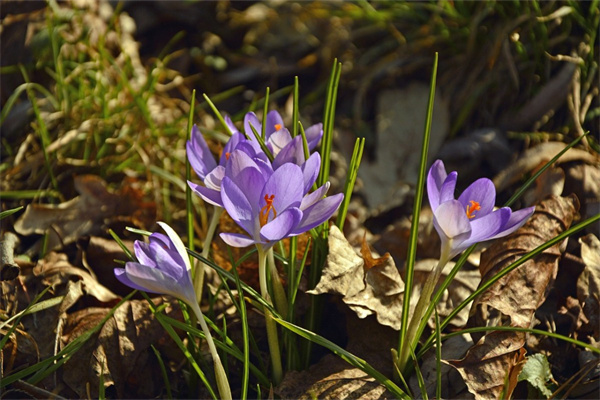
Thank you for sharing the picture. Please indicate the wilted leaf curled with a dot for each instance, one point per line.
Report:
(537, 372)
(513, 299)
(588, 284)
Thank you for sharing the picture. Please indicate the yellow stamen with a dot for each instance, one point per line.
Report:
(277, 127)
(263, 217)
(471, 208)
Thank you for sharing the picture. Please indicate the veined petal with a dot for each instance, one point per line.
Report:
(232, 144)
(237, 239)
(155, 281)
(287, 185)
(517, 219)
(143, 253)
(176, 240)
(274, 123)
(285, 149)
(314, 133)
(450, 221)
(310, 171)
(435, 178)
(311, 198)
(232, 128)
(201, 159)
(237, 205)
(168, 261)
(213, 178)
(209, 195)
(486, 227)
(318, 213)
(281, 226)
(121, 275)
(251, 119)
(481, 191)
(238, 161)
(448, 187)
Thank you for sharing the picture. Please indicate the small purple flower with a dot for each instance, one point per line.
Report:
(470, 219)
(203, 162)
(163, 267)
(272, 205)
(277, 137)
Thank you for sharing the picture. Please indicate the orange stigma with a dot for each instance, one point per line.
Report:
(277, 127)
(263, 217)
(227, 154)
(471, 208)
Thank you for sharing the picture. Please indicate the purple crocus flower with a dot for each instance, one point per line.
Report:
(277, 137)
(203, 162)
(470, 219)
(163, 267)
(271, 205)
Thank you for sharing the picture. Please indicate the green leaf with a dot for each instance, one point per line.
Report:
(537, 372)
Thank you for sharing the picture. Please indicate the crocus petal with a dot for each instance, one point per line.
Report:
(281, 226)
(310, 171)
(155, 281)
(232, 144)
(451, 222)
(251, 119)
(285, 149)
(435, 178)
(274, 123)
(318, 213)
(209, 195)
(232, 128)
(486, 227)
(237, 239)
(517, 219)
(168, 261)
(238, 161)
(483, 192)
(143, 253)
(213, 178)
(121, 275)
(313, 135)
(448, 187)
(199, 155)
(287, 185)
(237, 205)
(178, 244)
(315, 196)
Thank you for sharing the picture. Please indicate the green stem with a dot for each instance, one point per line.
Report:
(199, 270)
(410, 341)
(220, 375)
(281, 303)
(270, 323)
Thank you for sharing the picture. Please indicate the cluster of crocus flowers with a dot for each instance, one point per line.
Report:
(266, 189)
(460, 223)
(163, 267)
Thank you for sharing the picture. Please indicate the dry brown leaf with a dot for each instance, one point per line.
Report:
(513, 299)
(584, 181)
(488, 363)
(118, 352)
(331, 378)
(588, 284)
(83, 215)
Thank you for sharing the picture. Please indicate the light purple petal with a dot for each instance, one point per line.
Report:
(318, 213)
(282, 225)
(232, 128)
(232, 144)
(517, 219)
(293, 153)
(274, 123)
(311, 198)
(287, 185)
(121, 275)
(451, 222)
(448, 187)
(177, 244)
(201, 159)
(143, 253)
(251, 119)
(251, 181)
(237, 239)
(279, 141)
(213, 178)
(168, 261)
(435, 178)
(238, 161)
(155, 281)
(209, 195)
(310, 171)
(313, 135)
(237, 205)
(486, 227)
(483, 192)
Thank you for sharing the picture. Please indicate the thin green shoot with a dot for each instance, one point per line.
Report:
(6, 213)
(261, 142)
(17, 317)
(122, 245)
(296, 105)
(163, 371)
(263, 130)
(217, 114)
(34, 307)
(351, 176)
(438, 356)
(419, 375)
(413, 239)
(328, 122)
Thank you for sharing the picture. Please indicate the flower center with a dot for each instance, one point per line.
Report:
(277, 127)
(263, 217)
(471, 208)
